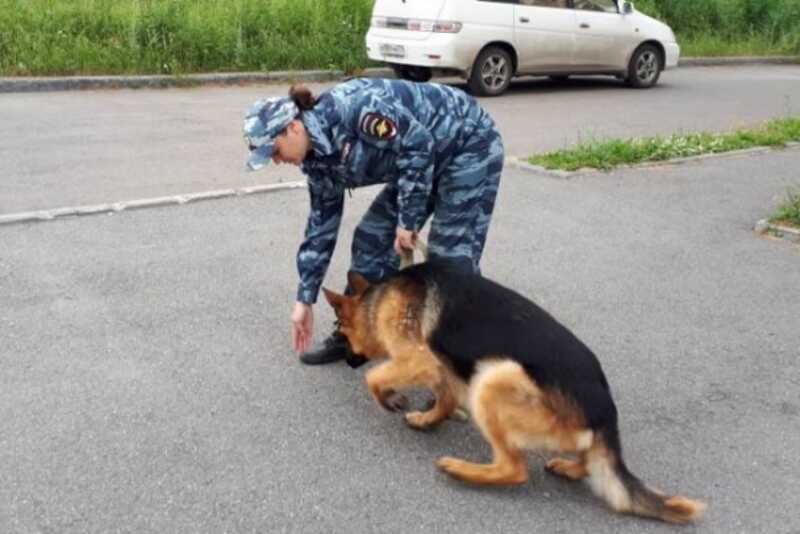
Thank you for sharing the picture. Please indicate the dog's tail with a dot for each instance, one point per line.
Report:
(610, 479)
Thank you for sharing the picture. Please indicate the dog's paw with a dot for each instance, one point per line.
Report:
(419, 420)
(451, 466)
(566, 468)
(414, 420)
(395, 402)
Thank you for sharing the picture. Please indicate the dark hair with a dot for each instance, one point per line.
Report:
(302, 97)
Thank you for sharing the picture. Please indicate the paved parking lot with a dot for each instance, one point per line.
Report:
(147, 382)
(91, 147)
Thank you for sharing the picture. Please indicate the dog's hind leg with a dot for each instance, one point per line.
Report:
(509, 466)
(571, 469)
(514, 414)
(494, 394)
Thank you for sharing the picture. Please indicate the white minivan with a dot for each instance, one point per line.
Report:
(488, 42)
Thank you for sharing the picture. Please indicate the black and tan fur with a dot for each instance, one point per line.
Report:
(527, 381)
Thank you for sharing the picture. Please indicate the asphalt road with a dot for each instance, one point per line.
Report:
(147, 383)
(88, 147)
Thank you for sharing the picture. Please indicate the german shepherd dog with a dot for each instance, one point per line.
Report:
(527, 381)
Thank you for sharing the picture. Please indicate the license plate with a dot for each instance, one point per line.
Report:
(393, 50)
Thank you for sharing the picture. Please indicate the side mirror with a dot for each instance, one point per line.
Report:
(627, 7)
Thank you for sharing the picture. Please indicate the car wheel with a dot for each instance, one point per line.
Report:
(412, 73)
(491, 72)
(645, 67)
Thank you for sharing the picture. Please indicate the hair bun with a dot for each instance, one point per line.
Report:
(302, 97)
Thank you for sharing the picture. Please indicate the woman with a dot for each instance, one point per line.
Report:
(438, 152)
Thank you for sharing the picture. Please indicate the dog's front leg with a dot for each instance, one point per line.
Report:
(386, 380)
(446, 388)
(380, 381)
(444, 405)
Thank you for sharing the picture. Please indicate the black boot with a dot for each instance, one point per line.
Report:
(334, 348)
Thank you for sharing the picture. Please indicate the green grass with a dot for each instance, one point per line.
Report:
(52, 37)
(788, 211)
(615, 152)
(715, 45)
(730, 27)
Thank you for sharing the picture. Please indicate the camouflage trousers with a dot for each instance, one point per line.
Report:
(461, 205)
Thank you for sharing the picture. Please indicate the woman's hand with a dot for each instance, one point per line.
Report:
(405, 240)
(302, 327)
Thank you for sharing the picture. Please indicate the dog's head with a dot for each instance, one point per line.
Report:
(354, 319)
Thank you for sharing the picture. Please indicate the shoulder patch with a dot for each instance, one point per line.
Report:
(377, 126)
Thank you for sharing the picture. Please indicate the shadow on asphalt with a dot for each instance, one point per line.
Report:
(545, 85)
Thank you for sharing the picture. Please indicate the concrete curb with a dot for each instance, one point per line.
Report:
(736, 61)
(764, 227)
(144, 203)
(523, 165)
(68, 83)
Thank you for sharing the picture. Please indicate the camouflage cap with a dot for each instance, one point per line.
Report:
(263, 122)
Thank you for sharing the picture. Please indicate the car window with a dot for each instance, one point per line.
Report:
(607, 6)
(544, 3)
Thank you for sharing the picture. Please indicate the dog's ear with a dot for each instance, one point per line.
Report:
(357, 283)
(334, 299)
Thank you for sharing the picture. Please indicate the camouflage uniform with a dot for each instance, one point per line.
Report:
(438, 152)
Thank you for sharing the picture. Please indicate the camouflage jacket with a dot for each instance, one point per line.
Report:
(365, 132)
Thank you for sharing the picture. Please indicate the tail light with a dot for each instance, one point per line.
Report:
(417, 25)
(446, 26)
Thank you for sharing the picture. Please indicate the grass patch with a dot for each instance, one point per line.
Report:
(615, 152)
(730, 27)
(788, 211)
(715, 45)
(62, 37)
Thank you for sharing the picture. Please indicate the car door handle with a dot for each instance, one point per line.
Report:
(524, 19)
(585, 25)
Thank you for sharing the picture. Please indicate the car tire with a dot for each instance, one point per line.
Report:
(491, 73)
(412, 73)
(644, 67)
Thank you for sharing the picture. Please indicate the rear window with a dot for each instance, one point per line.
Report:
(604, 6)
(408, 9)
(544, 3)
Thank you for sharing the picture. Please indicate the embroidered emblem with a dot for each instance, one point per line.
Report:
(378, 126)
